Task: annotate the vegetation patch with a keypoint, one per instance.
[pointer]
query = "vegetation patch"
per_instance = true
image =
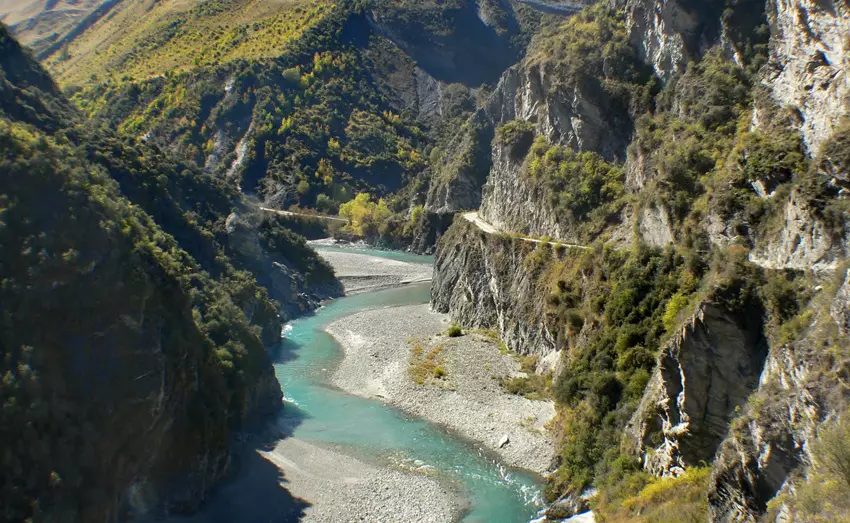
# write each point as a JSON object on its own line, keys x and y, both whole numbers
{"x": 530, "y": 385}
{"x": 639, "y": 498}
{"x": 455, "y": 331}
{"x": 425, "y": 367}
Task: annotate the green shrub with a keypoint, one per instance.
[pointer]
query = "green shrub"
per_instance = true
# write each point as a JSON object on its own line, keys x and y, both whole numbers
{"x": 454, "y": 331}
{"x": 824, "y": 496}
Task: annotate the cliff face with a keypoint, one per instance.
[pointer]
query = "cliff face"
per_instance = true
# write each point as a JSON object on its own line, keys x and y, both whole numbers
{"x": 570, "y": 104}
{"x": 703, "y": 375}
{"x": 772, "y": 438}
{"x": 483, "y": 281}
{"x": 802, "y": 240}
{"x": 511, "y": 201}
{"x": 809, "y": 63}
{"x": 564, "y": 110}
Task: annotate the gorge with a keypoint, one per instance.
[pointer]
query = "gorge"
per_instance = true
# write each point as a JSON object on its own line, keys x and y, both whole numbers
{"x": 639, "y": 216}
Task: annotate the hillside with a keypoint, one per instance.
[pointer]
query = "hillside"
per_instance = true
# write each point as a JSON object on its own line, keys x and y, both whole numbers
{"x": 39, "y": 23}
{"x": 354, "y": 104}
{"x": 131, "y": 313}
{"x": 698, "y": 164}
{"x": 139, "y": 40}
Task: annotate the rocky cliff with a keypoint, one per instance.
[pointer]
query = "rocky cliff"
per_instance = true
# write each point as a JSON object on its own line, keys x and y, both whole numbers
{"x": 809, "y": 65}
{"x": 511, "y": 200}
{"x": 704, "y": 374}
{"x": 769, "y": 445}
{"x": 737, "y": 177}
{"x": 573, "y": 93}
{"x": 478, "y": 278}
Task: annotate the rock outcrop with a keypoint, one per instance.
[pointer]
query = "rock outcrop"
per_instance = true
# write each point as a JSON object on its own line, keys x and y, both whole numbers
{"x": 567, "y": 111}
{"x": 481, "y": 280}
{"x": 802, "y": 240}
{"x": 512, "y": 200}
{"x": 703, "y": 375}
{"x": 770, "y": 442}
{"x": 809, "y": 63}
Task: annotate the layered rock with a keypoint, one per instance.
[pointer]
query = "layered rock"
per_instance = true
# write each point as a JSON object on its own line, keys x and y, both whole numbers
{"x": 704, "y": 373}
{"x": 802, "y": 240}
{"x": 512, "y": 200}
{"x": 567, "y": 111}
{"x": 797, "y": 391}
{"x": 482, "y": 280}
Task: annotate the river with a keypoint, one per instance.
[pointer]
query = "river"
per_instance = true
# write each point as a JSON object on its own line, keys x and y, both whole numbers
{"x": 382, "y": 434}
{"x": 370, "y": 431}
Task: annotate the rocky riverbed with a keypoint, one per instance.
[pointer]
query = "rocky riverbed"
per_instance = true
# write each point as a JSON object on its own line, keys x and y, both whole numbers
{"x": 383, "y": 350}
{"x": 359, "y": 272}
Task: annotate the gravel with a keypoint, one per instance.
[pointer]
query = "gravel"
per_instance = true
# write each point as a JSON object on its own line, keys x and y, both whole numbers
{"x": 362, "y": 272}
{"x": 301, "y": 481}
{"x": 344, "y": 489}
{"x": 469, "y": 399}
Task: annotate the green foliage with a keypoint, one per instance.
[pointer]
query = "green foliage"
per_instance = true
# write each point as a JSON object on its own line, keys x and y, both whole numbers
{"x": 143, "y": 41}
{"x": 125, "y": 302}
{"x": 276, "y": 238}
{"x": 593, "y": 48}
{"x": 618, "y": 300}
{"x": 322, "y": 129}
{"x": 585, "y": 190}
{"x": 455, "y": 331}
{"x": 155, "y": 332}
{"x": 365, "y": 217}
{"x": 518, "y": 135}
{"x": 678, "y": 302}
{"x": 531, "y": 385}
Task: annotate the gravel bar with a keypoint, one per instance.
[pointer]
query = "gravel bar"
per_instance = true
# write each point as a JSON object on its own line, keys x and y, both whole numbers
{"x": 469, "y": 399}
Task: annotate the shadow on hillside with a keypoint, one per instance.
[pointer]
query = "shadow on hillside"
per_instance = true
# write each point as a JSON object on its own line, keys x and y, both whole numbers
{"x": 255, "y": 492}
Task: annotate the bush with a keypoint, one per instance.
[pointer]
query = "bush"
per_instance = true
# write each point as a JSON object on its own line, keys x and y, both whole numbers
{"x": 825, "y": 495}
{"x": 425, "y": 366}
{"x": 660, "y": 500}
{"x": 455, "y": 331}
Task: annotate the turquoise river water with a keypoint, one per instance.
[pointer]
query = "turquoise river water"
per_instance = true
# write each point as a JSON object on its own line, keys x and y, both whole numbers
{"x": 380, "y": 434}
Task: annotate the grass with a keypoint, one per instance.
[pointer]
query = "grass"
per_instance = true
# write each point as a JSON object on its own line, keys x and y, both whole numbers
{"x": 426, "y": 366}
{"x": 646, "y": 499}
{"x": 532, "y": 385}
{"x": 141, "y": 41}
{"x": 455, "y": 331}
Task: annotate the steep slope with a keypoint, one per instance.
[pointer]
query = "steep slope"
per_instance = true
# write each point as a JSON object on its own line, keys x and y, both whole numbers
{"x": 39, "y": 23}
{"x": 686, "y": 332}
{"x": 132, "y": 340}
{"x": 144, "y": 39}
{"x": 356, "y": 103}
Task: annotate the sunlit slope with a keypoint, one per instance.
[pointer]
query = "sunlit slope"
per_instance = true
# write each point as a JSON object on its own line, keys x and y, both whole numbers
{"x": 38, "y": 23}
{"x": 140, "y": 39}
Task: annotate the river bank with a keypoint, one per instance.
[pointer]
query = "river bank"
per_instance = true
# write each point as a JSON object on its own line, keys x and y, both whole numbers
{"x": 359, "y": 272}
{"x": 341, "y": 457}
{"x": 341, "y": 488}
{"x": 380, "y": 361}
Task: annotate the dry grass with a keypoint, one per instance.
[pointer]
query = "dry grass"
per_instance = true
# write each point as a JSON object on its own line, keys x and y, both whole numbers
{"x": 425, "y": 367}
{"x": 140, "y": 40}
{"x": 659, "y": 500}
